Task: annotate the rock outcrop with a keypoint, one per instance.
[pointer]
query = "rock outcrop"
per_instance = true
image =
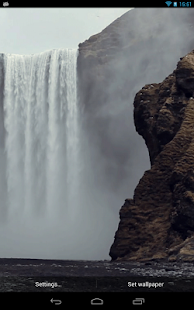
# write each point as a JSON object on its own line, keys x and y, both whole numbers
{"x": 142, "y": 47}
{"x": 159, "y": 221}
{"x": 138, "y": 48}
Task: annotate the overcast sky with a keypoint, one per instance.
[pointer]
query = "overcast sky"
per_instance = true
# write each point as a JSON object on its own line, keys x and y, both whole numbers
{"x": 34, "y": 30}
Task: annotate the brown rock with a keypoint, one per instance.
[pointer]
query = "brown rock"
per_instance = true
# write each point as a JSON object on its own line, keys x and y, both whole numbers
{"x": 139, "y": 48}
{"x": 161, "y": 214}
{"x": 183, "y": 252}
{"x": 132, "y": 51}
{"x": 111, "y": 66}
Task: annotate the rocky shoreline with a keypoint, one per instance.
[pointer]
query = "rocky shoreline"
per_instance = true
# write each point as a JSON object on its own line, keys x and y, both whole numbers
{"x": 26, "y": 275}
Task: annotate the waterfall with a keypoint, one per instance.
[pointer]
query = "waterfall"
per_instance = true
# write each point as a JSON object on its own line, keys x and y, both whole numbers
{"x": 51, "y": 206}
{"x": 41, "y": 144}
{"x": 41, "y": 124}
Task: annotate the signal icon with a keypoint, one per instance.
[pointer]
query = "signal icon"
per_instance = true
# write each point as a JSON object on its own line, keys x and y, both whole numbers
{"x": 168, "y": 3}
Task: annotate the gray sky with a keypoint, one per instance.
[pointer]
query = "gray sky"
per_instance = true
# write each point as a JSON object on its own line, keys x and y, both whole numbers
{"x": 34, "y": 30}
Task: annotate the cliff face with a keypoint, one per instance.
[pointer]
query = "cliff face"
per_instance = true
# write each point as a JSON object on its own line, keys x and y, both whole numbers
{"x": 142, "y": 47}
{"x": 138, "y": 48}
{"x": 159, "y": 221}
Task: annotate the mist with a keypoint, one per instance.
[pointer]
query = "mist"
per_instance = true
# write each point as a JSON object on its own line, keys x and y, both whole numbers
{"x": 112, "y": 156}
{"x": 119, "y": 156}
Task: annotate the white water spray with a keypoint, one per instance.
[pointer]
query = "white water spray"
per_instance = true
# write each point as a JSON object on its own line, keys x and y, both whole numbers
{"x": 51, "y": 208}
{"x": 41, "y": 146}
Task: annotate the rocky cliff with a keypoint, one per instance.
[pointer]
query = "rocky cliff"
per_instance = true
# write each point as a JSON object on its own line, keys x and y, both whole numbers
{"x": 142, "y": 47}
{"x": 159, "y": 221}
{"x": 138, "y": 48}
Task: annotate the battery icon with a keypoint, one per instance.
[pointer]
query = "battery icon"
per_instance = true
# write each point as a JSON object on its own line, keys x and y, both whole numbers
{"x": 174, "y": 3}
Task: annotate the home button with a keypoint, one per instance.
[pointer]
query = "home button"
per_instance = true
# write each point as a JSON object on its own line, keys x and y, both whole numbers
{"x": 97, "y": 301}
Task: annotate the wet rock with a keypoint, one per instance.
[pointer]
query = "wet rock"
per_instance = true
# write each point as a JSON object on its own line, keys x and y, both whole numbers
{"x": 159, "y": 221}
{"x": 112, "y": 65}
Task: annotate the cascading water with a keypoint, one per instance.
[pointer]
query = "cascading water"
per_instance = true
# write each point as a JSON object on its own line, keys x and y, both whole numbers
{"x": 41, "y": 124}
{"x": 50, "y": 204}
{"x": 41, "y": 147}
